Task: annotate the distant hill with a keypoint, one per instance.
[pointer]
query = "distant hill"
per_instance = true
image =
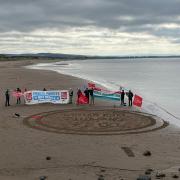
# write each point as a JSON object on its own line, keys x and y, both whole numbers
{"x": 49, "y": 55}
{"x": 70, "y": 56}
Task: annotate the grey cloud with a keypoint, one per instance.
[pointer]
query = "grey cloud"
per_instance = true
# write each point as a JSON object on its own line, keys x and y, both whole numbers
{"x": 27, "y": 15}
{"x": 122, "y": 15}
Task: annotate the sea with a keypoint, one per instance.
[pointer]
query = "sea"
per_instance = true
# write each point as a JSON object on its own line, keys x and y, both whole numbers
{"x": 156, "y": 80}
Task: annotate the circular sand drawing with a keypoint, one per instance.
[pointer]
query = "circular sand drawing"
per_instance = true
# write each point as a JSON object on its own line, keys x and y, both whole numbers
{"x": 94, "y": 122}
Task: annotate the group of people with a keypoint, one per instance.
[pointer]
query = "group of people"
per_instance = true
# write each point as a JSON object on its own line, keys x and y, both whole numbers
{"x": 88, "y": 94}
{"x": 18, "y": 97}
{"x": 129, "y": 95}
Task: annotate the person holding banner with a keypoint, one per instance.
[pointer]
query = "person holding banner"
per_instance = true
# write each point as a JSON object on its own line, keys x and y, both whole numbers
{"x": 7, "y": 97}
{"x": 122, "y": 97}
{"x": 18, "y": 96}
{"x": 86, "y": 92}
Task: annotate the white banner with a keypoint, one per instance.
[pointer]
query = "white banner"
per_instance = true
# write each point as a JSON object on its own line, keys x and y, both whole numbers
{"x": 55, "y": 97}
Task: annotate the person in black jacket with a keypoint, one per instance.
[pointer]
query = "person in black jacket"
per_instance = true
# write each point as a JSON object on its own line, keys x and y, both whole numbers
{"x": 122, "y": 97}
{"x": 91, "y": 93}
{"x": 86, "y": 92}
{"x": 70, "y": 95}
{"x": 130, "y": 96}
{"x": 7, "y": 98}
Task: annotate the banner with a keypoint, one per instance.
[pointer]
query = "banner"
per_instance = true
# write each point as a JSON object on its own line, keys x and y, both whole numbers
{"x": 114, "y": 95}
{"x": 137, "y": 101}
{"x": 106, "y": 94}
{"x": 55, "y": 97}
{"x": 17, "y": 94}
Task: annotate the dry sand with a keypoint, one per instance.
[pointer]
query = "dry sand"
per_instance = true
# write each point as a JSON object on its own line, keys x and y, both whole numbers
{"x": 23, "y": 150}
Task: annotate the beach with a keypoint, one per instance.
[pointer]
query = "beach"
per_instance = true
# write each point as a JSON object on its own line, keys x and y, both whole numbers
{"x": 74, "y": 156}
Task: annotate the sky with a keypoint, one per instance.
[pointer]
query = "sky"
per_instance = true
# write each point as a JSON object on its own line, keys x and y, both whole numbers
{"x": 90, "y": 27}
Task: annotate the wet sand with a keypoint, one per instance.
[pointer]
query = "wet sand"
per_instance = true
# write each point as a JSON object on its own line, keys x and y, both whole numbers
{"x": 24, "y": 150}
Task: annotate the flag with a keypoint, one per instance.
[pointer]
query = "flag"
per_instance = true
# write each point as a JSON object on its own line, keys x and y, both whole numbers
{"x": 82, "y": 99}
{"x": 137, "y": 101}
{"x": 91, "y": 85}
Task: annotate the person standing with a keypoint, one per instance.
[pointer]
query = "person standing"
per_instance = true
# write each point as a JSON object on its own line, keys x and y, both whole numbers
{"x": 18, "y": 96}
{"x": 78, "y": 95}
{"x": 130, "y": 96}
{"x": 7, "y": 98}
{"x": 86, "y": 92}
{"x": 91, "y": 93}
{"x": 122, "y": 97}
{"x": 70, "y": 96}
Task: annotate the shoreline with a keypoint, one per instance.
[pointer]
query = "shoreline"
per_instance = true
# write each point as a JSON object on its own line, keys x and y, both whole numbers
{"x": 24, "y": 150}
{"x": 100, "y": 84}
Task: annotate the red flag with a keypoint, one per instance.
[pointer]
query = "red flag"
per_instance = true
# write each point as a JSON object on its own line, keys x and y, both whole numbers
{"x": 137, "y": 101}
{"x": 82, "y": 99}
{"x": 91, "y": 85}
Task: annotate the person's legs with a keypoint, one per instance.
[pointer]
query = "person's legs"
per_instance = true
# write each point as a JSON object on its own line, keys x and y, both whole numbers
{"x": 92, "y": 99}
{"x": 130, "y": 102}
{"x": 70, "y": 99}
{"x": 122, "y": 102}
{"x": 8, "y": 101}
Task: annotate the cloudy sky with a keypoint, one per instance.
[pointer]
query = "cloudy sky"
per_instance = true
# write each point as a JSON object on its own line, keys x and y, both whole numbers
{"x": 92, "y": 27}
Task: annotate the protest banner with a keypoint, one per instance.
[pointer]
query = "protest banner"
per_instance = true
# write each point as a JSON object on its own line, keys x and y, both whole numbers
{"x": 17, "y": 94}
{"x": 55, "y": 97}
{"x": 114, "y": 95}
{"x": 106, "y": 94}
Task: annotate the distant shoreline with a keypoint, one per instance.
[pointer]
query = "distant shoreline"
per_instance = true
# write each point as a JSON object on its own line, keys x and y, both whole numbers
{"x": 64, "y": 57}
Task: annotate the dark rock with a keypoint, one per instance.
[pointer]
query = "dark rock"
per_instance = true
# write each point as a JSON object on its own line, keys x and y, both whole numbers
{"x": 160, "y": 175}
{"x": 101, "y": 177}
{"x": 175, "y": 176}
{"x": 17, "y": 115}
{"x": 144, "y": 177}
{"x": 48, "y": 158}
{"x": 148, "y": 171}
{"x": 103, "y": 170}
{"x": 147, "y": 153}
{"x": 42, "y": 178}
